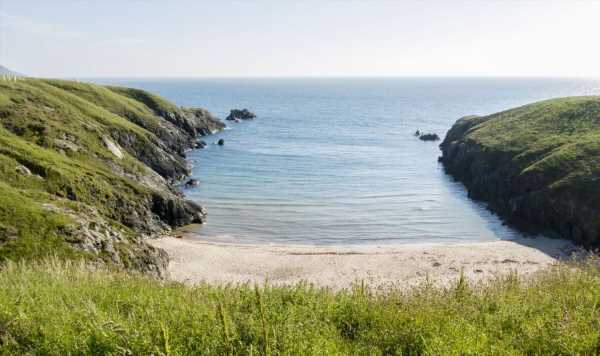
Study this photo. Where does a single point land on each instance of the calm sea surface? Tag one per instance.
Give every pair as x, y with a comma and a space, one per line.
334, 161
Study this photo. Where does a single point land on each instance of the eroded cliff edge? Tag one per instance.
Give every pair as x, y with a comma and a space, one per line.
88, 171
538, 166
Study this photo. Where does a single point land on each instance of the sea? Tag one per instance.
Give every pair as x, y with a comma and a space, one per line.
334, 161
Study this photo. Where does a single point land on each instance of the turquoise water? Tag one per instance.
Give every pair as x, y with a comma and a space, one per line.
334, 161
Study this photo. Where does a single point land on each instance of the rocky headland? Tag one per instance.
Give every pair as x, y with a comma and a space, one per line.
89, 171
538, 166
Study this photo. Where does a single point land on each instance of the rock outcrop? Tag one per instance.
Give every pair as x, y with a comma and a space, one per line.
429, 137
192, 183
243, 114
537, 166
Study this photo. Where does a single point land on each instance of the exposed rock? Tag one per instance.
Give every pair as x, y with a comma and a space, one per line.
243, 114
429, 137
192, 183
94, 235
177, 211
23, 170
199, 144
66, 145
195, 121
221, 142
112, 147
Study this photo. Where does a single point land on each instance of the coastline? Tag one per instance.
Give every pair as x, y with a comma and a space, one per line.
382, 267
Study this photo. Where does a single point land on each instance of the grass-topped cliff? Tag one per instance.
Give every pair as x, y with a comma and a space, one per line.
86, 171
537, 165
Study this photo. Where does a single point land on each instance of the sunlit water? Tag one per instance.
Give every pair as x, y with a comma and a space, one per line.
334, 161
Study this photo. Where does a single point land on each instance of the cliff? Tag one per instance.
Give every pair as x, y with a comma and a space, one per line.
88, 171
538, 166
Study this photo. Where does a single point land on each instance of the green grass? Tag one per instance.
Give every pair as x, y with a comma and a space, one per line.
57, 308
537, 165
556, 140
37, 118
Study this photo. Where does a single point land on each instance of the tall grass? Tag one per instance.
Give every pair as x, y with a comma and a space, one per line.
58, 308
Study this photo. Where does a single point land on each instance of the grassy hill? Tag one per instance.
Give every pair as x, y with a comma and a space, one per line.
537, 165
87, 171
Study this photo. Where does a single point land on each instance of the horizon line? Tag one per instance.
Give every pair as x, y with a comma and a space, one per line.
449, 76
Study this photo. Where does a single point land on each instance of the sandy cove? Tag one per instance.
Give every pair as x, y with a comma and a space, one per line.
399, 266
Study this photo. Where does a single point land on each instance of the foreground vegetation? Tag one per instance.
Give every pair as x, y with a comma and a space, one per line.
57, 308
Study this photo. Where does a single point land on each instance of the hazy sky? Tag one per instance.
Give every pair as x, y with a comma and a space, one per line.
62, 38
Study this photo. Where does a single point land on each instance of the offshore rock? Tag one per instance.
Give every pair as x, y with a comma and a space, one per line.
243, 114
429, 137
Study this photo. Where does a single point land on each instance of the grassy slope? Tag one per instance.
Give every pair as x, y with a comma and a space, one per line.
557, 139
50, 308
36, 116
538, 164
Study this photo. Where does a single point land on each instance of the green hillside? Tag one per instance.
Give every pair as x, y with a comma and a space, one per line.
86, 170
538, 165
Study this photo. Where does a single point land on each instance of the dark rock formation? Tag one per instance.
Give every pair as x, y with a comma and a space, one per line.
538, 185
243, 114
429, 137
199, 144
177, 212
192, 183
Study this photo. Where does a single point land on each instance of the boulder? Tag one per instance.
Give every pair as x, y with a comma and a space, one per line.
221, 142
236, 115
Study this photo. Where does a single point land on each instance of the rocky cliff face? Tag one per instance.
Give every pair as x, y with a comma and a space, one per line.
97, 165
537, 166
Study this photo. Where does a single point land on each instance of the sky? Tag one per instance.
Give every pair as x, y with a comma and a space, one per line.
179, 38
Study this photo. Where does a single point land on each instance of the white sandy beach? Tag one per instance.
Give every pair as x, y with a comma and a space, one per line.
194, 261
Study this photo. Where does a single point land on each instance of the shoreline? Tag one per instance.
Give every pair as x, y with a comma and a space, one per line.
381, 267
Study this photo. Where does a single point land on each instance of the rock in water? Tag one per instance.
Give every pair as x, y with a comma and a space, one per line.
236, 115
192, 183
221, 142
429, 137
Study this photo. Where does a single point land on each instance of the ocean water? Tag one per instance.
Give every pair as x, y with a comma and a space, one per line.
334, 161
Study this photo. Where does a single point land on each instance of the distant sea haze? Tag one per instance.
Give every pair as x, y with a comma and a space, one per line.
335, 161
